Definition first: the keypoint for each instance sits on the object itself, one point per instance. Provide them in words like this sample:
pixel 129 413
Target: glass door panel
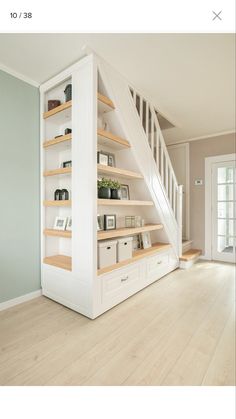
pixel 224 211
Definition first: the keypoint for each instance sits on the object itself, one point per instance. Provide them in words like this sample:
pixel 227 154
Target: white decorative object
pixel 69 224
pixel 100 123
pixel 138 221
pixel 129 221
pixel 100 222
pixel 125 248
pixel 146 240
pixel 107 253
pixel 60 223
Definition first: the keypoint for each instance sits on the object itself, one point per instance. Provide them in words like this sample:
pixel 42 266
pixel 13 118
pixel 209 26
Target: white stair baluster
pixel 141 110
pixel 166 177
pixel 157 149
pixel 170 190
pixel 162 163
pixel 147 119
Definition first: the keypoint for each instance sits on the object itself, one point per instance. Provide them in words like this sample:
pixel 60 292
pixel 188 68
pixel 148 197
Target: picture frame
pixel 111 160
pixel 100 222
pixel 137 242
pixel 60 223
pixel 109 222
pixel 124 190
pixel 146 240
pixel 67 163
pixel 102 158
pixel 69 224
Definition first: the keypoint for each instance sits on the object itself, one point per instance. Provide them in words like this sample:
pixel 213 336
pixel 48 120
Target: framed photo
pixel 111 160
pixel 102 158
pixel 109 222
pixel 125 192
pixel 69 224
pixel 60 223
pixel 137 242
pixel 100 223
pixel 67 163
pixel 146 240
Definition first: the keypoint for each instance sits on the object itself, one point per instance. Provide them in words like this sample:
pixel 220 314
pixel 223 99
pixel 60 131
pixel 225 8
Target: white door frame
pixel 209 161
pixel 187 191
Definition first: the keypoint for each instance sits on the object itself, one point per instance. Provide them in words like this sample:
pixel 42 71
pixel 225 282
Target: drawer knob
pixel 159 262
pixel 125 278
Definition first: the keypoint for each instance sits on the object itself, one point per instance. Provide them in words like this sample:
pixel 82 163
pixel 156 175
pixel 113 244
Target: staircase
pixel 140 124
pixel 149 120
pixel 151 127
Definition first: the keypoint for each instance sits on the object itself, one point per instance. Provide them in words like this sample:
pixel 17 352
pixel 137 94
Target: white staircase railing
pixel 149 121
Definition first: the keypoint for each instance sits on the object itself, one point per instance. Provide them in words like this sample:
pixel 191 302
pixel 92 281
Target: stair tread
pixel 190 254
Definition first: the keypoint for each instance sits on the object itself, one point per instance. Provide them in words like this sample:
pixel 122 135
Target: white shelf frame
pixel 76 288
pixel 81 289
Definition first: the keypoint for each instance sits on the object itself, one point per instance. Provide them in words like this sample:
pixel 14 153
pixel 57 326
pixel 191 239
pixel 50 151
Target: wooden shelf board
pixel 120 202
pixel 58 140
pixel 120 232
pixel 61 171
pixel 110 170
pixel 108 139
pixel 66 203
pixel 65 262
pixel 138 254
pixel 58 109
pixel 57 233
pixel 59 261
pixel 190 254
pixel 104 104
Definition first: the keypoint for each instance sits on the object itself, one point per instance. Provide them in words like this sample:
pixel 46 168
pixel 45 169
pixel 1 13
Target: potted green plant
pixel 104 188
pixel 115 190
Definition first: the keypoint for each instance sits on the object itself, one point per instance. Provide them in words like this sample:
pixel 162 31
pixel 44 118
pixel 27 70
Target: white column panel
pixel 84 174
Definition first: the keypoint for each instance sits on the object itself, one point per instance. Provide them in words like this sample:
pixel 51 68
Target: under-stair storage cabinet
pixel 84 122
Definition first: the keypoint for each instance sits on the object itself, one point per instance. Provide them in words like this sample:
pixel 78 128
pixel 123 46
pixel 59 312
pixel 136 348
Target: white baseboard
pixel 19 300
pixel 187 264
pixel 204 257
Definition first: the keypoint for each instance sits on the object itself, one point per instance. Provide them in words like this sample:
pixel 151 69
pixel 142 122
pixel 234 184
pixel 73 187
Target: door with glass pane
pixel 224 211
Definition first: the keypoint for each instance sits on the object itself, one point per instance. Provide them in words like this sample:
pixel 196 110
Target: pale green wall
pixel 19 188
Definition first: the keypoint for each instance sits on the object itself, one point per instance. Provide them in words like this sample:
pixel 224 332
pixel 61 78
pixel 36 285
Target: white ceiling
pixel 189 77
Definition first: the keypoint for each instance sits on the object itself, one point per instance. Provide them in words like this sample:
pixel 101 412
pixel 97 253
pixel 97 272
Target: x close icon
pixel 216 15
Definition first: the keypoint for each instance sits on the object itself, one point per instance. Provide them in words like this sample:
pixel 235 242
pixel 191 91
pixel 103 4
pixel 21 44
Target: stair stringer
pixel 119 92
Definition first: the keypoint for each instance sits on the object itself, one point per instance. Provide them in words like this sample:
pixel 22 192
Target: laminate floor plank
pixel 178 331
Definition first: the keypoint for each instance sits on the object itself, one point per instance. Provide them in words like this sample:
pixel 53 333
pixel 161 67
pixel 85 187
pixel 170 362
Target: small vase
pixel 115 194
pixel 104 193
pixel 57 195
pixel 68 92
pixel 64 194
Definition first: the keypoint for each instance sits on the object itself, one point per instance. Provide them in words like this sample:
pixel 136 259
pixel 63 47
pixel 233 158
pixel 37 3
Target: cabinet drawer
pixel 121 284
pixel 156 264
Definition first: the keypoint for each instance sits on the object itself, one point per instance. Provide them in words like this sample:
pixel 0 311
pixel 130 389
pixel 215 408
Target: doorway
pixel 221 192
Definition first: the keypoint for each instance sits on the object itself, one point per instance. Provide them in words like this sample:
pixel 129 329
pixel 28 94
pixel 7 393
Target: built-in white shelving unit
pixel 70 273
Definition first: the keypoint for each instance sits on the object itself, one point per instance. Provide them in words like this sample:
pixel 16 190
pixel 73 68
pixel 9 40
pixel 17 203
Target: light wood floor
pixel 178 331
